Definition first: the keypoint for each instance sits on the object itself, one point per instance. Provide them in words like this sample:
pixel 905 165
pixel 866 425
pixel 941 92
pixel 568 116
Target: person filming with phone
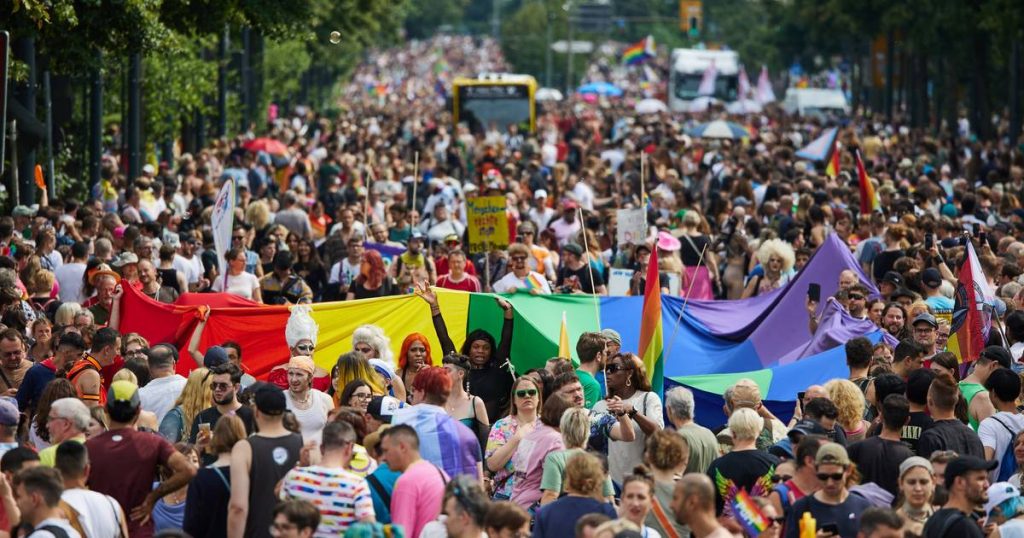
pixel 836 511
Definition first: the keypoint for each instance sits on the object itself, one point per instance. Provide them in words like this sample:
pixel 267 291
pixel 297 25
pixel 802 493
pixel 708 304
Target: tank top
pixel 970 390
pixel 272 458
pixel 169 278
pixel 88 363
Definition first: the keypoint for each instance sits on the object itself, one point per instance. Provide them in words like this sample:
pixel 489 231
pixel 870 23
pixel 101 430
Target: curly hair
pixel 849 400
pixel 780 248
pixel 666 450
pixel 372 277
pixel 584 475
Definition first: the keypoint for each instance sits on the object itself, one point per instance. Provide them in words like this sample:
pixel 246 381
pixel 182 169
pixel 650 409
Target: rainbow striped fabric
pixel 748 514
pixel 341 497
pixel 650 327
pixel 868 198
pixel 639 52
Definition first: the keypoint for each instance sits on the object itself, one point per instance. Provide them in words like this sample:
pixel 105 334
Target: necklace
pixel 304 403
pixel 916 514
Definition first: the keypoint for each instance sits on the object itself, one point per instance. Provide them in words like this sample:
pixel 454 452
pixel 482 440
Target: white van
pixel 815 102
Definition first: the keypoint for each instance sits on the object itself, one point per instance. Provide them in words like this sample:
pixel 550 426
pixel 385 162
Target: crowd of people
pixel 102 436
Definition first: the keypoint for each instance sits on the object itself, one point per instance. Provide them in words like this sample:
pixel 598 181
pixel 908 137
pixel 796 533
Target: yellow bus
pixel 495 99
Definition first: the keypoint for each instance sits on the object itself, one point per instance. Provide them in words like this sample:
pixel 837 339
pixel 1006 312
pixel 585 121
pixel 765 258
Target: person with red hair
pixel 415 356
pixel 444 441
pixel 373 279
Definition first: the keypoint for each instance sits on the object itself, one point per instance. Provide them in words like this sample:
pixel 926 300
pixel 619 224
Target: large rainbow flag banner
pixel 651 337
pixel 714 343
pixel 639 52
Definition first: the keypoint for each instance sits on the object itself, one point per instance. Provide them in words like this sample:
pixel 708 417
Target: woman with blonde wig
pixel 777 259
pixel 196 396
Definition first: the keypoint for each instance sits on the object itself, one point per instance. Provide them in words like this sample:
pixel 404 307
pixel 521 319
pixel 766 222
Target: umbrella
pixel 702 103
pixel 719 129
pixel 548 94
pixel 650 106
pixel 269 145
pixel 744 106
pixel 600 88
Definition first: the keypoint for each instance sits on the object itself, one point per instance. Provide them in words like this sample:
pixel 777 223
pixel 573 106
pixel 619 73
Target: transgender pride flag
pixel 444 441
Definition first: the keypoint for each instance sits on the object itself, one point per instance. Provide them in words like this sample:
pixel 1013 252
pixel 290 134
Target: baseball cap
pixel 999 493
pixel 574 248
pixel 931 277
pixel 215 356
pixel 613 335
pixel 893 278
pixel 540 193
pixel 966 464
pixel 807 427
pixel 270 399
pixel 416 234
pixel 9 415
pixel 832 454
pixel 383 408
pixel 998 354
pixel 123 400
pixel 925 317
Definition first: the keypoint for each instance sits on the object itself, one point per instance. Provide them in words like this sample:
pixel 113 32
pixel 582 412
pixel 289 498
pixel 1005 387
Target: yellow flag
pixel 563 340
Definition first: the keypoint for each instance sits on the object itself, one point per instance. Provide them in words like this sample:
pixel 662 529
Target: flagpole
pixel 643 180
pixel 415 178
pixel 686 300
pixel 590 269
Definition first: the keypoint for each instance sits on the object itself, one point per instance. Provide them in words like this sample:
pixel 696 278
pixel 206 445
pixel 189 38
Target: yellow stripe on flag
pixel 563 340
pixel 397 316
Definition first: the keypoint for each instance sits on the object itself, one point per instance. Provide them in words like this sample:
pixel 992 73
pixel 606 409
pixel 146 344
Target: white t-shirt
pixel 622 456
pixel 344 272
pixel 61 523
pixel 192 268
pixel 1012 529
pixel 506 283
pixel 159 395
pixel 69 277
pixel 241 284
pixel 996 436
pixel 312 420
pixel 99 514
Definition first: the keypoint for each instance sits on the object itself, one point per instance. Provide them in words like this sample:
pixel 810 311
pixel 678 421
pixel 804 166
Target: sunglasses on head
pixel 825 477
pixel 526 393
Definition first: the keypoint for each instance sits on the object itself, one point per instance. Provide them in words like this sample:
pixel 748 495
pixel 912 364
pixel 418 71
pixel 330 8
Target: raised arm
pixel 424 292
pixel 504 351
pixel 193 344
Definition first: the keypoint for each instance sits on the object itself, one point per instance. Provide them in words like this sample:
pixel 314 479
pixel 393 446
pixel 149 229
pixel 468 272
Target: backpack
pixel 1008 463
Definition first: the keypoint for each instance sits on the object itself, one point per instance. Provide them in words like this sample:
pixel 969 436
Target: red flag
pixel 868 199
pixel 971 311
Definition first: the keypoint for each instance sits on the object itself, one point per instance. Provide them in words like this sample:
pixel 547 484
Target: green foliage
pixel 175 82
pixel 426 16
pixel 284 63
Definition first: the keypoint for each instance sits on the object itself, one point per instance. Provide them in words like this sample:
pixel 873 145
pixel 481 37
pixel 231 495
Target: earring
pixel 629 382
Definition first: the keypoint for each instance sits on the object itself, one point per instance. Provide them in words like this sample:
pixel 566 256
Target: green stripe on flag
pixel 717 383
pixel 537 324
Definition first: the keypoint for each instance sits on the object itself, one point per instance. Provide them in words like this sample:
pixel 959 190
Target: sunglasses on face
pixel 526 393
pixel 777 478
pixel 518 258
pixel 825 477
pixel 856 297
pixel 613 368
pixel 306 348
pixel 220 386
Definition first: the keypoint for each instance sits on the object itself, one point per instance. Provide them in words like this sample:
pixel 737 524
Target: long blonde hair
pixel 354 365
pixel 196 395
pixel 849 400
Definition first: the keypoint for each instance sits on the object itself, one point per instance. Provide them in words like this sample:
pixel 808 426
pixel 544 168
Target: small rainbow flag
pixel 748 514
pixel 563 340
pixel 650 327
pixel 639 52
pixel 832 168
pixel 868 198
pixel 532 282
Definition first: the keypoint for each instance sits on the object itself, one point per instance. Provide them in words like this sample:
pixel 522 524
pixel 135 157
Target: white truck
pixel 816 102
pixel 688 67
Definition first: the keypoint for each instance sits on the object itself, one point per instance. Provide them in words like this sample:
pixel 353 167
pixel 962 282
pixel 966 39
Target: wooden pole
pixel 415 178
pixel 686 300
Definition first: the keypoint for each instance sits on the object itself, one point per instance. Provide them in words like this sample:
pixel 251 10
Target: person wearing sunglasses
pixel 225 384
pixel 507 432
pixel 801 482
pixel 630 393
pixel 833 507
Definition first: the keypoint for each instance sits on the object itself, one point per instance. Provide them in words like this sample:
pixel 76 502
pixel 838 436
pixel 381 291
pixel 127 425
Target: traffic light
pixel 691 17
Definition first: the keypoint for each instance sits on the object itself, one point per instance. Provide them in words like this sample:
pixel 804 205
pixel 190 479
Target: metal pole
pixel 25 50
pixel 13 136
pixel 568 51
pixel 135 117
pixel 222 84
pixel 246 96
pixel 48 103
pixel 547 49
pixel 96 122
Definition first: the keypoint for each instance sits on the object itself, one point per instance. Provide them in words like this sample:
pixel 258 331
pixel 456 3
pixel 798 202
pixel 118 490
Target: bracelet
pixel 632 413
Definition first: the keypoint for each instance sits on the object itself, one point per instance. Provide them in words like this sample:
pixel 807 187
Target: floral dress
pixel 501 432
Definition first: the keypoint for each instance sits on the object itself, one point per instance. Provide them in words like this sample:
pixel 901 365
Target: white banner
pixel 223 220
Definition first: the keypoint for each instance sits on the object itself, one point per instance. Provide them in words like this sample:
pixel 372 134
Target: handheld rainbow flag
pixel 868 198
pixel 532 282
pixel 563 340
pixel 832 168
pixel 972 310
pixel 639 52
pixel 650 327
pixel 748 515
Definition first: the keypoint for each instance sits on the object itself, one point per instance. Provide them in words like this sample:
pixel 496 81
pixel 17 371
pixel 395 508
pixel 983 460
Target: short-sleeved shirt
pixel 529 463
pixel 997 432
pixel 750 470
pixel 341 497
pixel 703 446
pixel 417 497
pixel 501 432
pixel 591 388
pixel 623 456
pixel 553 476
pixel 585 279
pixel 124 465
pixel 601 425
pixel 878 461
pixel 845 515
pixel 950 434
pixel 951 523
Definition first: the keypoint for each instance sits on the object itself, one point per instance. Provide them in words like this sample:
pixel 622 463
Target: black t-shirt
pixel 751 470
pixel 878 461
pixel 845 515
pixel 951 523
pixel 579 279
pixel 690 256
pixel 919 423
pixel 210 416
pixel 950 434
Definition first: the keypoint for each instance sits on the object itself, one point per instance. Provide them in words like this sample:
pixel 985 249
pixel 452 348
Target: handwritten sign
pixel 487 223
pixel 632 226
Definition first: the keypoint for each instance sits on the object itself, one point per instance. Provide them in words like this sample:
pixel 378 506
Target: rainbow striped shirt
pixel 341 497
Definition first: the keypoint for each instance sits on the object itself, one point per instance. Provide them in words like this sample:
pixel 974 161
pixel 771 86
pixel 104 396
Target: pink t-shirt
pixel 529 463
pixel 416 499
